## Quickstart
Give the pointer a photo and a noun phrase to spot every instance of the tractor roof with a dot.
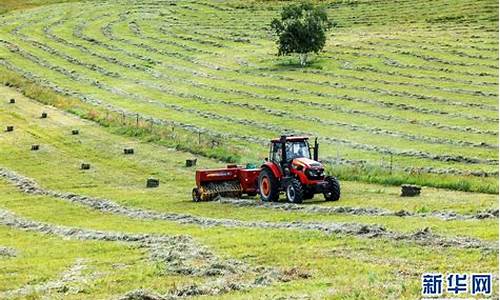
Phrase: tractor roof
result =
(291, 139)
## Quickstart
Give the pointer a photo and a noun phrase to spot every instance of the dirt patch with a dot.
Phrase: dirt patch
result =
(355, 229)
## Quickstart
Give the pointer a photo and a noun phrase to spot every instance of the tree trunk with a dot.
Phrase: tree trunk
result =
(303, 59)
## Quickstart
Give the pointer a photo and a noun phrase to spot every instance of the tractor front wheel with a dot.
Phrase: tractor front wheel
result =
(294, 191)
(332, 192)
(268, 186)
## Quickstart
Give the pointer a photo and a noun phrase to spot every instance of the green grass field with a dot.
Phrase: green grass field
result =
(405, 92)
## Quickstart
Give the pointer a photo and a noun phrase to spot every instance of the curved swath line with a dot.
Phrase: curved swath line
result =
(392, 73)
(267, 127)
(377, 12)
(427, 58)
(437, 41)
(389, 83)
(335, 108)
(332, 74)
(398, 42)
(258, 85)
(393, 93)
(195, 129)
(356, 50)
(405, 107)
(98, 102)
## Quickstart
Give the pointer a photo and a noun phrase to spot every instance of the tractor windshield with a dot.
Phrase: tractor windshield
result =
(297, 149)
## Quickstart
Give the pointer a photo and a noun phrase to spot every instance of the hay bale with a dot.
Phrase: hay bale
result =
(152, 183)
(44, 115)
(191, 162)
(85, 166)
(12, 101)
(9, 128)
(35, 147)
(410, 190)
(128, 151)
(75, 132)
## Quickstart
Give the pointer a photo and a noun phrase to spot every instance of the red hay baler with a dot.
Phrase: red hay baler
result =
(290, 168)
(233, 181)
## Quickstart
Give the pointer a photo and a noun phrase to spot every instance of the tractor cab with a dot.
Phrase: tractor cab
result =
(291, 148)
(294, 152)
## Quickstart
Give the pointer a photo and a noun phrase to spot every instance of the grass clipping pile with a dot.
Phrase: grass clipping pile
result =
(179, 255)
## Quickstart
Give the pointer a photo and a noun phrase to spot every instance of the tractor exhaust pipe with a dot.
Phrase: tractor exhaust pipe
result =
(283, 150)
(316, 150)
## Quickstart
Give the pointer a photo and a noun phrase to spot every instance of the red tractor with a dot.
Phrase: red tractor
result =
(290, 168)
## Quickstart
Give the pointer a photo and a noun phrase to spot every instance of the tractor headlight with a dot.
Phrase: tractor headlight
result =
(315, 173)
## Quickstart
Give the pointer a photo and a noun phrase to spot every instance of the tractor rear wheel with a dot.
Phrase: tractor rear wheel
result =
(268, 186)
(196, 195)
(294, 191)
(332, 192)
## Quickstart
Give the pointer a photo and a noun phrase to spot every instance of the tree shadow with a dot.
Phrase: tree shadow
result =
(291, 63)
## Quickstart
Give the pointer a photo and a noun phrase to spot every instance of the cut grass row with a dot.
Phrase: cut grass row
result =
(221, 84)
(186, 141)
(122, 178)
(327, 256)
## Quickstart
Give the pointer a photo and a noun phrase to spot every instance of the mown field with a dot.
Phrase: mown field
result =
(405, 91)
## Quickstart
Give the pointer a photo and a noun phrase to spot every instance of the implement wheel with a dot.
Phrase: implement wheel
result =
(268, 186)
(332, 192)
(196, 195)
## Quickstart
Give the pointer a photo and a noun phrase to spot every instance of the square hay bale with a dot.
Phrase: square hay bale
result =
(75, 132)
(191, 162)
(410, 190)
(35, 147)
(9, 128)
(128, 151)
(44, 115)
(12, 101)
(152, 183)
(85, 166)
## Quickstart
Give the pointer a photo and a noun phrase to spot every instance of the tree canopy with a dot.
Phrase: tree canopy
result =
(301, 29)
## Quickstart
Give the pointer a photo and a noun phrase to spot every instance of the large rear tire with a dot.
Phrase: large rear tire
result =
(294, 191)
(332, 192)
(268, 186)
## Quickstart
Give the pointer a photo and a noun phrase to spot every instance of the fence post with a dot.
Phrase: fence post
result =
(391, 164)
(137, 121)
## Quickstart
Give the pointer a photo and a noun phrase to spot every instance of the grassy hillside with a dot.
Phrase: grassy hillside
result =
(333, 259)
(405, 91)
(390, 86)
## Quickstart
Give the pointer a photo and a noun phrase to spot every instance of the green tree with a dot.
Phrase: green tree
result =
(301, 29)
